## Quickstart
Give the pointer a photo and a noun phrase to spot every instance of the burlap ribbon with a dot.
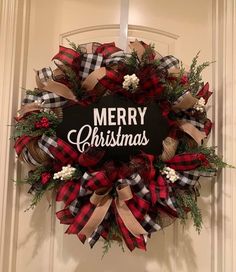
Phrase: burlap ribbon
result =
(186, 101)
(192, 131)
(103, 201)
(169, 148)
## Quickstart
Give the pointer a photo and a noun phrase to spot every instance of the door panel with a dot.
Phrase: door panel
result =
(177, 27)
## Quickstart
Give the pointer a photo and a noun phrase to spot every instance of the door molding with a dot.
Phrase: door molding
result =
(14, 24)
(117, 27)
(14, 15)
(224, 79)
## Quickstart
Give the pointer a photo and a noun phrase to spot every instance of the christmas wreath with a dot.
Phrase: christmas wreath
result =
(120, 138)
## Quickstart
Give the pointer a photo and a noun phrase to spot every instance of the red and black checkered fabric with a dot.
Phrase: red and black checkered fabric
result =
(205, 93)
(158, 189)
(112, 81)
(150, 82)
(95, 181)
(67, 56)
(208, 126)
(130, 240)
(82, 217)
(68, 192)
(107, 49)
(64, 153)
(138, 206)
(65, 217)
(91, 157)
(21, 143)
(187, 161)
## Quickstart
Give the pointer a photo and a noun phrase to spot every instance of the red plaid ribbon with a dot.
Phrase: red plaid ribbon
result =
(131, 241)
(68, 192)
(21, 143)
(208, 126)
(113, 80)
(91, 157)
(95, 181)
(63, 153)
(187, 161)
(107, 49)
(150, 82)
(204, 92)
(67, 55)
(65, 217)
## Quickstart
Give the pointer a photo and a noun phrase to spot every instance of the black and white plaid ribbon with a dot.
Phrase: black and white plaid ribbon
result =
(137, 185)
(89, 63)
(191, 177)
(27, 157)
(45, 74)
(46, 142)
(45, 99)
(198, 123)
(149, 225)
(168, 62)
(114, 58)
(97, 233)
(170, 201)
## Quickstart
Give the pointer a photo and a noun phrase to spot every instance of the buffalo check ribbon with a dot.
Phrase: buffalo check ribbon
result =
(107, 49)
(46, 82)
(191, 177)
(21, 143)
(187, 161)
(92, 208)
(204, 92)
(67, 56)
(102, 202)
(184, 102)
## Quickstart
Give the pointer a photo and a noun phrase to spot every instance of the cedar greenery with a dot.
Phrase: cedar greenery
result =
(27, 125)
(195, 77)
(185, 202)
(113, 233)
(38, 189)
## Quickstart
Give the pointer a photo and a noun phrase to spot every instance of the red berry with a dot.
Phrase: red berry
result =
(45, 177)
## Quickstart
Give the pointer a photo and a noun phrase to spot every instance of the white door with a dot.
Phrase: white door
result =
(182, 28)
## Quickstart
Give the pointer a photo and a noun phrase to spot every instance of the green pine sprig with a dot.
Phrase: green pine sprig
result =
(34, 180)
(26, 126)
(74, 46)
(187, 202)
(174, 88)
(195, 74)
(113, 232)
(216, 162)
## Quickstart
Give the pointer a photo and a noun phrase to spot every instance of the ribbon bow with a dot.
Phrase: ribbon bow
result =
(103, 201)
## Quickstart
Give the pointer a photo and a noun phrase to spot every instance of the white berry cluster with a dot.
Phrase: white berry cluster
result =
(170, 174)
(130, 82)
(66, 173)
(39, 102)
(199, 106)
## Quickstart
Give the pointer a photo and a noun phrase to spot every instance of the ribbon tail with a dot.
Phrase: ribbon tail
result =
(187, 101)
(92, 79)
(96, 218)
(191, 130)
(59, 89)
(129, 220)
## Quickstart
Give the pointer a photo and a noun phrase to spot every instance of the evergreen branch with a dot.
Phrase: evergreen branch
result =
(195, 78)
(113, 233)
(187, 201)
(74, 46)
